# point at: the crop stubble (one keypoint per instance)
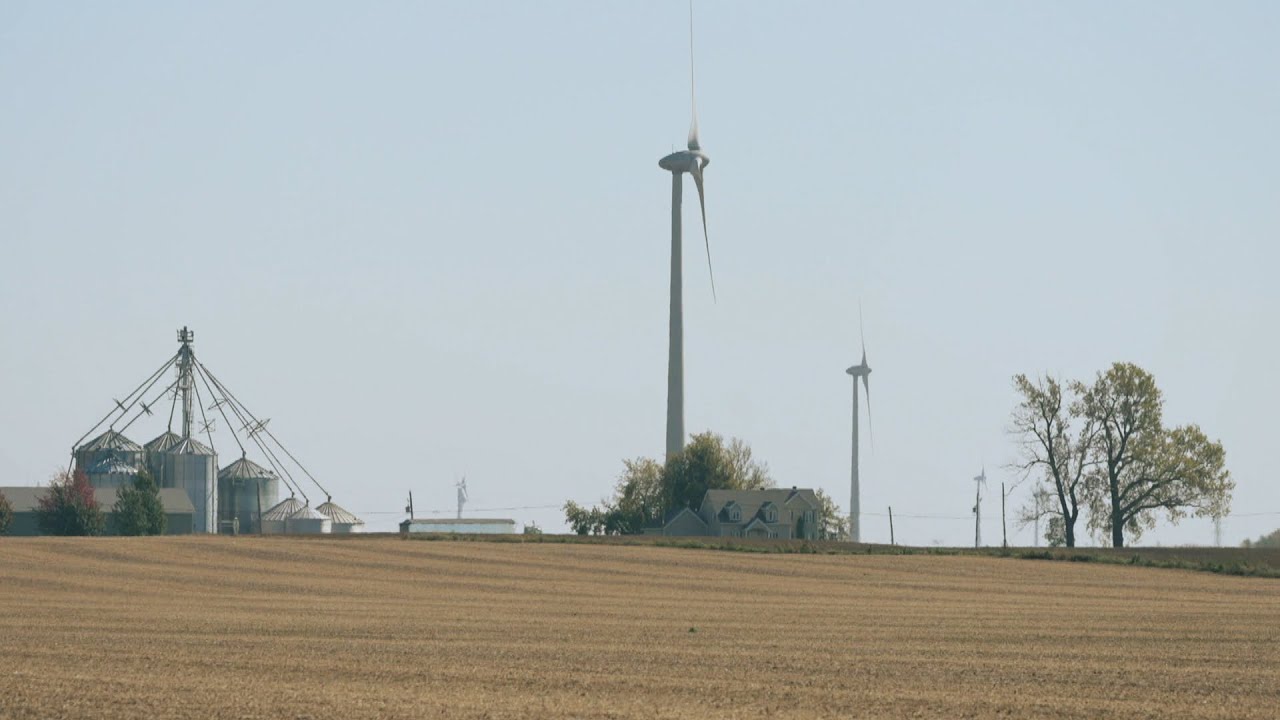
(289, 627)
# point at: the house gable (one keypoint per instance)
(685, 523)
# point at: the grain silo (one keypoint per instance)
(344, 523)
(108, 445)
(245, 491)
(111, 472)
(192, 466)
(273, 520)
(306, 521)
(154, 453)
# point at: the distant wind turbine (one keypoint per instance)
(979, 483)
(861, 370)
(692, 161)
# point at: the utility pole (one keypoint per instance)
(409, 508)
(978, 483)
(1004, 529)
(891, 538)
(1039, 500)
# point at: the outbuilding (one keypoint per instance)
(178, 510)
(469, 526)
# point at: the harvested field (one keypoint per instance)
(381, 627)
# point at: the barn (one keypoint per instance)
(178, 509)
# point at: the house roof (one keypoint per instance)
(751, 501)
(672, 517)
(461, 521)
(25, 499)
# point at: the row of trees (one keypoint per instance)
(68, 507)
(647, 491)
(1103, 450)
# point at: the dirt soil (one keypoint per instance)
(386, 628)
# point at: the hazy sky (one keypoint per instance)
(432, 239)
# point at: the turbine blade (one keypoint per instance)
(702, 202)
(866, 385)
(862, 334)
(693, 90)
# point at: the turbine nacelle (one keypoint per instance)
(859, 370)
(690, 161)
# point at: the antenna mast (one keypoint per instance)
(185, 382)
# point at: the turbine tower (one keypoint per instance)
(861, 370)
(692, 161)
(979, 482)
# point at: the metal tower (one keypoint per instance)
(186, 381)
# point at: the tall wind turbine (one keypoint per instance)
(692, 161)
(979, 482)
(861, 370)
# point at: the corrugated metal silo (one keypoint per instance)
(273, 520)
(109, 444)
(154, 452)
(306, 521)
(111, 472)
(245, 491)
(344, 523)
(192, 466)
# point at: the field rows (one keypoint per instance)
(287, 627)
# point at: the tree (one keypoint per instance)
(584, 520)
(1271, 540)
(1055, 451)
(1139, 467)
(707, 463)
(6, 514)
(832, 524)
(647, 490)
(69, 508)
(138, 510)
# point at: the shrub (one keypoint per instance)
(69, 508)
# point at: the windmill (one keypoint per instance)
(694, 162)
(861, 370)
(462, 495)
(979, 482)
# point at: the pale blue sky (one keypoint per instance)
(431, 239)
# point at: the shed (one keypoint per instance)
(476, 526)
(178, 510)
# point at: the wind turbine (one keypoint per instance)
(692, 161)
(979, 483)
(861, 370)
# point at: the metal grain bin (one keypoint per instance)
(344, 523)
(306, 521)
(245, 491)
(111, 472)
(109, 444)
(193, 467)
(273, 520)
(154, 454)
